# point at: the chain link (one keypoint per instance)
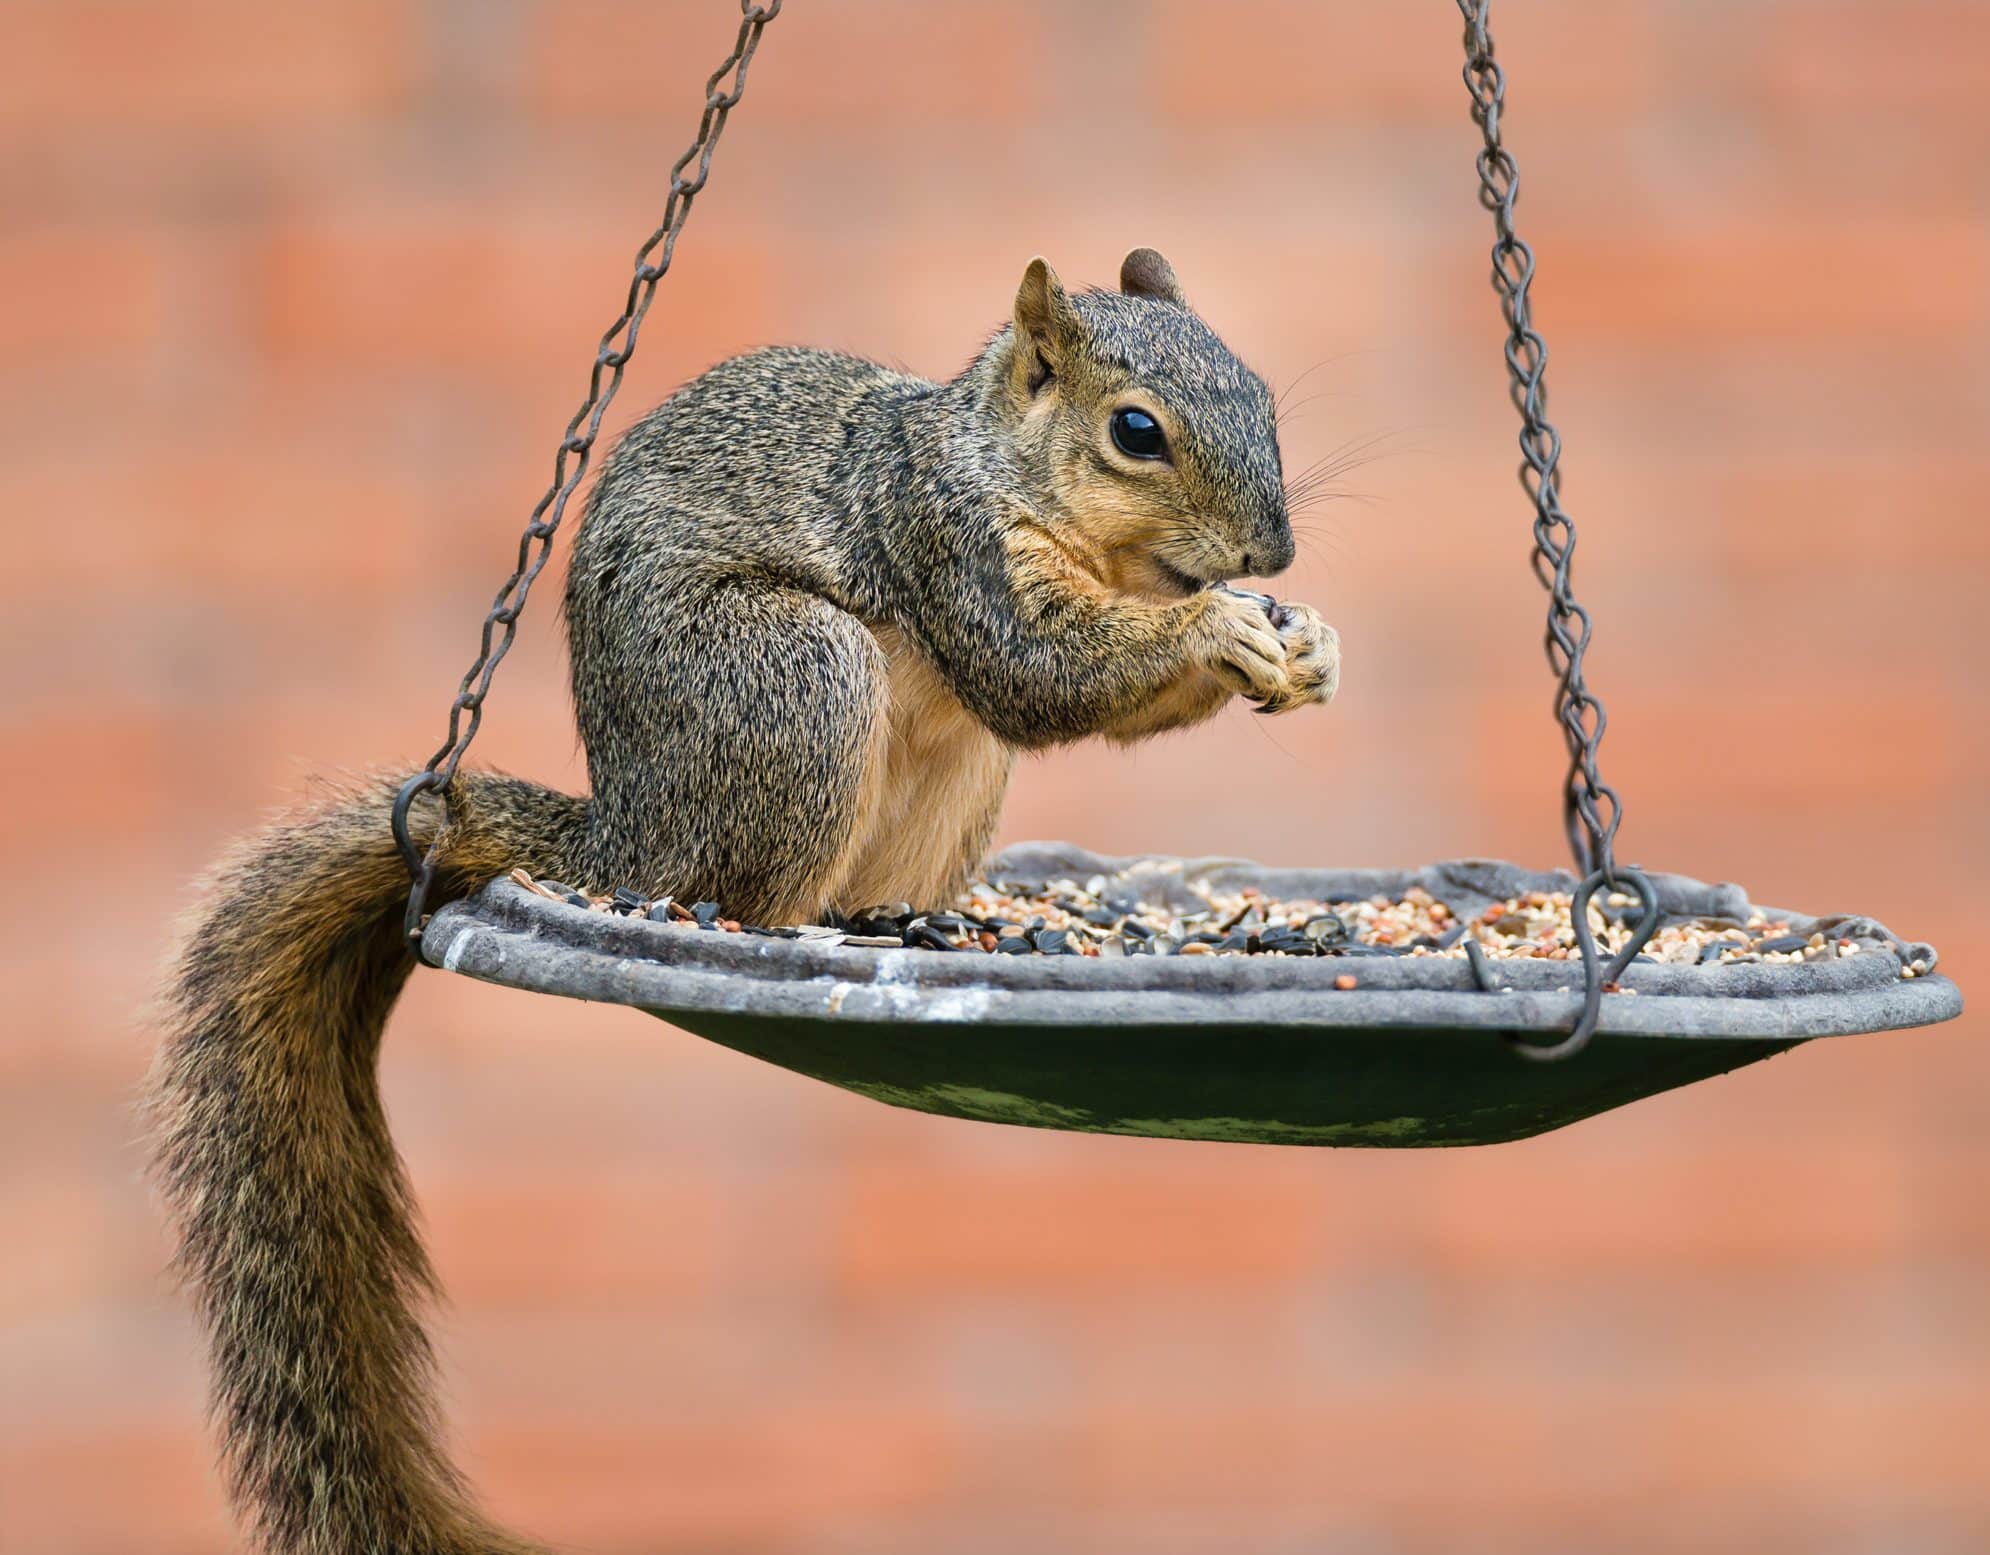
(723, 89)
(1591, 810)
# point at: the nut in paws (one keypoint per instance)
(1243, 647)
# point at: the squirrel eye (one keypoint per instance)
(1138, 435)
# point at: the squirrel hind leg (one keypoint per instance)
(747, 776)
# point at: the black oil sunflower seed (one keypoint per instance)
(1326, 929)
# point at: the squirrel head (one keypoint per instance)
(1145, 433)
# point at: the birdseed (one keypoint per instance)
(1098, 917)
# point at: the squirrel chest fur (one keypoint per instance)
(931, 792)
(816, 607)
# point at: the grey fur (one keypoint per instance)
(748, 536)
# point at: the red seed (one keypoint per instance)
(1346, 981)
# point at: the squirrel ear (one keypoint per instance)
(1047, 326)
(1144, 273)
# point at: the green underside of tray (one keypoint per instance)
(1397, 1089)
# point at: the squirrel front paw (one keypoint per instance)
(1312, 658)
(1238, 643)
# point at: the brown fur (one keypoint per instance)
(297, 1229)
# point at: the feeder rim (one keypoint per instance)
(505, 934)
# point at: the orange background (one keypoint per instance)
(293, 303)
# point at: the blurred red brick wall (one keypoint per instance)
(293, 301)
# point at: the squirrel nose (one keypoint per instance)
(1271, 556)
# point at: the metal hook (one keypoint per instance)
(1595, 974)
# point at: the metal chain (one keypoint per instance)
(1591, 810)
(723, 89)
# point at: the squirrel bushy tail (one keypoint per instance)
(297, 1231)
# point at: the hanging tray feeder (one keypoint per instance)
(1255, 1049)
(1424, 1050)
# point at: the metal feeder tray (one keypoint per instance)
(1261, 1050)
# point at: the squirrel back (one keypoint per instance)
(816, 606)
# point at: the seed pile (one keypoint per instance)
(1105, 918)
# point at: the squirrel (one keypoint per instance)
(815, 608)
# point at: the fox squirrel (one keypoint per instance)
(816, 606)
